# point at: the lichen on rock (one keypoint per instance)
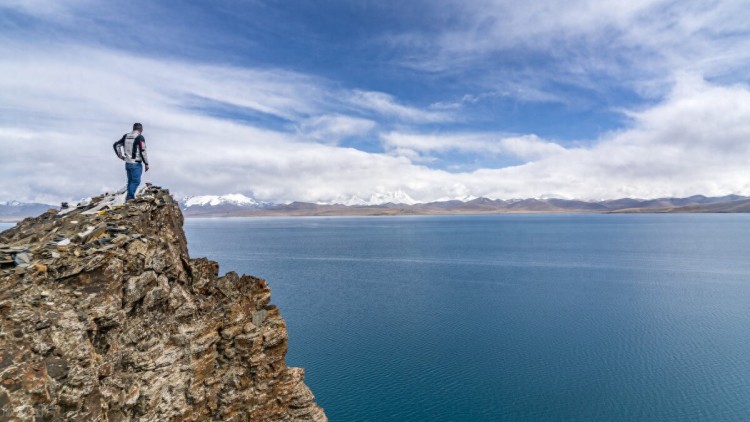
(105, 317)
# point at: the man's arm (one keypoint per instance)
(142, 148)
(119, 146)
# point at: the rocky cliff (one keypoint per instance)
(104, 317)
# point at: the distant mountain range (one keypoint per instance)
(14, 210)
(240, 205)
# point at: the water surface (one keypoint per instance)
(508, 317)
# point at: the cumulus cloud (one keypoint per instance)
(694, 142)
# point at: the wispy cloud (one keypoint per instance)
(62, 115)
(531, 147)
(332, 128)
(428, 143)
(386, 105)
(412, 145)
(50, 9)
(591, 45)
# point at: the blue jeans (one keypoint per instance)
(134, 171)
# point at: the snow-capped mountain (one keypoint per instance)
(466, 198)
(219, 205)
(353, 201)
(398, 197)
(380, 198)
(236, 199)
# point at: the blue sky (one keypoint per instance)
(325, 100)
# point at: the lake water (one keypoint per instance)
(507, 317)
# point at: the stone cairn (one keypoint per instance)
(104, 317)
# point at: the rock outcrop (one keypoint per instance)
(104, 317)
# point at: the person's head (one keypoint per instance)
(138, 127)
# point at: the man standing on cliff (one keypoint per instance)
(131, 148)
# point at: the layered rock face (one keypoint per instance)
(104, 317)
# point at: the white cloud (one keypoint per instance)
(385, 104)
(531, 147)
(57, 9)
(527, 49)
(528, 147)
(62, 109)
(331, 128)
(427, 143)
(693, 142)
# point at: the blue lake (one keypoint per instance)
(507, 317)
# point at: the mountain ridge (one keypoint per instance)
(240, 205)
(482, 205)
